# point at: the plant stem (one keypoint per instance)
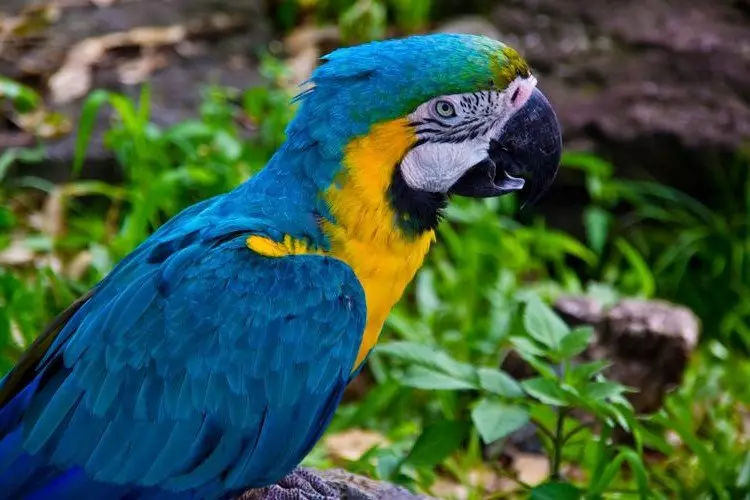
(545, 431)
(558, 444)
(575, 431)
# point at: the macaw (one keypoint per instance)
(211, 359)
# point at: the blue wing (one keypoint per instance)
(196, 369)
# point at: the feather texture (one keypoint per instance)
(230, 401)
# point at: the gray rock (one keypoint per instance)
(660, 87)
(647, 342)
(473, 25)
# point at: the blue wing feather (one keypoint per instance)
(196, 368)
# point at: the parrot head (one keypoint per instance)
(445, 115)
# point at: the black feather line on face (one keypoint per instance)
(417, 211)
(466, 131)
(474, 119)
(434, 121)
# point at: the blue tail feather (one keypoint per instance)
(29, 476)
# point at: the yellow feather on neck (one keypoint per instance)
(364, 234)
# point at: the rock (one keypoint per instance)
(473, 25)
(649, 344)
(659, 87)
(578, 311)
(179, 47)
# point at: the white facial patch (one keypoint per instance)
(436, 166)
(454, 133)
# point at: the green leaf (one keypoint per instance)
(428, 357)
(743, 476)
(525, 345)
(557, 243)
(495, 420)
(541, 322)
(639, 470)
(543, 368)
(589, 163)
(24, 99)
(545, 390)
(600, 484)
(387, 464)
(576, 341)
(26, 155)
(230, 146)
(600, 391)
(412, 15)
(555, 491)
(639, 266)
(585, 371)
(428, 302)
(420, 377)
(364, 20)
(435, 443)
(500, 383)
(7, 218)
(596, 221)
(89, 112)
(702, 450)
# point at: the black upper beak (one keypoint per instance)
(528, 148)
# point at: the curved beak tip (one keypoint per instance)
(530, 146)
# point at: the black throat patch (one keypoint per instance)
(416, 211)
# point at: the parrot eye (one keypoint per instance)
(445, 109)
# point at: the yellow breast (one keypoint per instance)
(364, 234)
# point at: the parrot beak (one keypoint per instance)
(529, 148)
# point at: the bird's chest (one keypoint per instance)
(384, 272)
(383, 259)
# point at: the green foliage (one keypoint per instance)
(169, 169)
(707, 415)
(364, 20)
(667, 243)
(25, 307)
(555, 491)
(22, 100)
(21, 97)
(411, 15)
(497, 405)
(495, 420)
(358, 20)
(27, 111)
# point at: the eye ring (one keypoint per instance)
(445, 109)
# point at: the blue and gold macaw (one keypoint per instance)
(212, 358)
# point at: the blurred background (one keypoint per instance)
(116, 114)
